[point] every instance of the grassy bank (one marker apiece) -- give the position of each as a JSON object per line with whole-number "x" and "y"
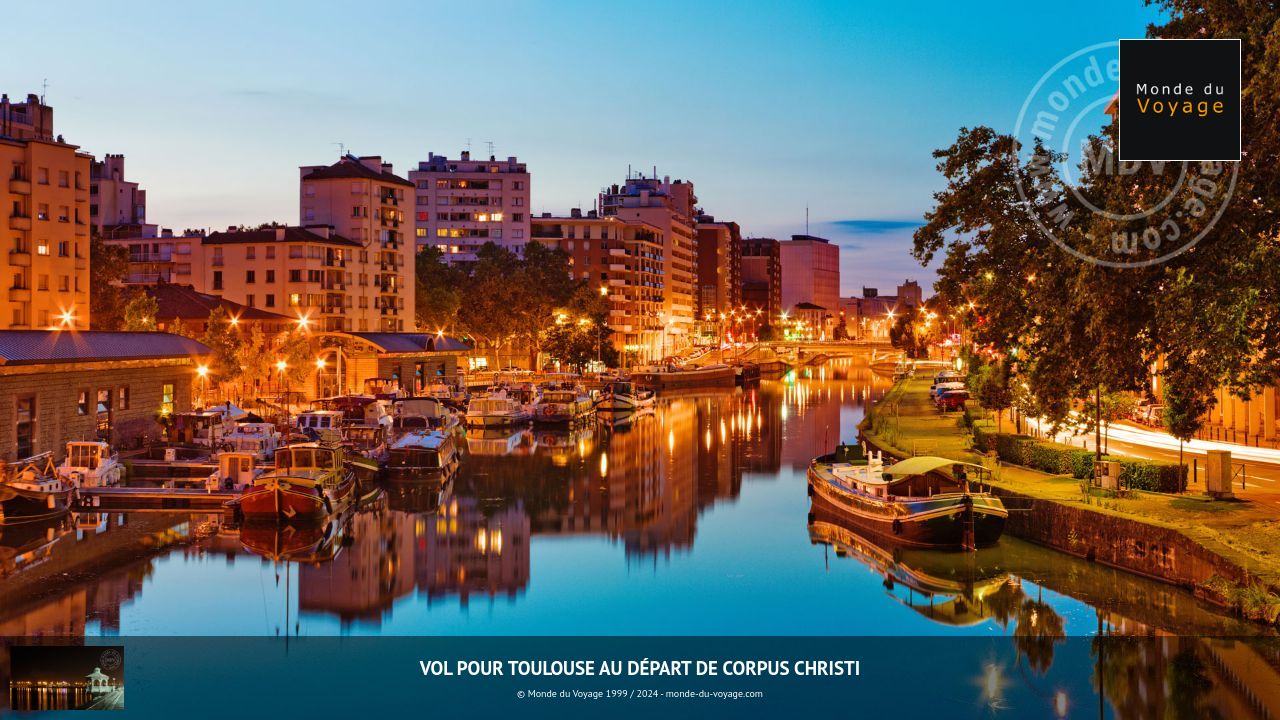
{"x": 1244, "y": 534}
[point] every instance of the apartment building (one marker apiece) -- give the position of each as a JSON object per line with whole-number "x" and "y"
{"x": 363, "y": 202}
{"x": 810, "y": 273}
{"x": 117, "y": 207}
{"x": 45, "y": 200}
{"x": 161, "y": 257}
{"x": 719, "y": 267}
{"x": 762, "y": 277}
{"x": 669, "y": 207}
{"x": 623, "y": 259}
{"x": 462, "y": 204}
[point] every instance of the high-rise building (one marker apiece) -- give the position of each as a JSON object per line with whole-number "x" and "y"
{"x": 624, "y": 260}
{"x": 810, "y": 273}
{"x": 463, "y": 204}
{"x": 719, "y": 267}
{"x": 118, "y": 207}
{"x": 670, "y": 207}
{"x": 363, "y": 201}
{"x": 762, "y": 277}
{"x": 45, "y": 197}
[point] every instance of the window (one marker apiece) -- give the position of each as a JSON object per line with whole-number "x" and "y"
{"x": 271, "y": 255}
{"x": 217, "y": 279}
{"x": 64, "y": 283}
{"x": 64, "y": 179}
{"x": 42, "y": 282}
{"x": 271, "y": 276}
{"x": 295, "y": 275}
{"x": 517, "y": 234}
{"x": 517, "y": 217}
{"x": 249, "y": 301}
{"x": 295, "y": 299}
{"x": 250, "y": 253}
{"x": 249, "y": 276}
{"x": 26, "y": 426}
{"x": 64, "y": 248}
{"x": 122, "y": 397}
{"x": 42, "y": 247}
{"x": 517, "y": 202}
{"x": 271, "y": 300}
{"x": 104, "y": 413}
{"x": 82, "y": 402}
{"x": 42, "y": 176}
{"x": 421, "y": 232}
{"x": 166, "y": 399}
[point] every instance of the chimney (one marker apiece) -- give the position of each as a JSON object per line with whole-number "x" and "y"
{"x": 279, "y": 234}
{"x": 575, "y": 213}
{"x": 466, "y": 154}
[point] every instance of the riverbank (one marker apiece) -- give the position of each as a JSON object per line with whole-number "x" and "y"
{"x": 1226, "y": 551}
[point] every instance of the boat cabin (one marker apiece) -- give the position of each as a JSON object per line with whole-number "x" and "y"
{"x": 258, "y": 438}
{"x": 309, "y": 456}
{"x": 201, "y": 427}
{"x": 421, "y": 450}
{"x": 90, "y": 463}
{"x": 235, "y": 471}
{"x": 363, "y": 438}
{"x": 320, "y": 420}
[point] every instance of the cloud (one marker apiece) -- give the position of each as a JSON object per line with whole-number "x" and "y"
{"x": 862, "y": 226}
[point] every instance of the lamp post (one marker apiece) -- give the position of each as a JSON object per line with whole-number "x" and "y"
{"x": 203, "y": 372}
{"x": 280, "y": 368}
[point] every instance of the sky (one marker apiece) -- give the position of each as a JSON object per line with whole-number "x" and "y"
{"x": 769, "y": 108}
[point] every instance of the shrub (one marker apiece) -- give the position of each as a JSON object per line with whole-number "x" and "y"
{"x": 1049, "y": 457}
{"x": 1150, "y": 475}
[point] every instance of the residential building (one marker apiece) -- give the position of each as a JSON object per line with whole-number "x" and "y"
{"x": 462, "y": 204}
{"x": 364, "y": 202}
{"x": 116, "y": 205}
{"x": 45, "y": 198}
{"x": 625, "y": 260}
{"x": 810, "y": 273}
{"x": 669, "y": 207}
{"x": 161, "y": 257}
{"x": 871, "y": 316}
{"x": 719, "y": 266}
{"x": 762, "y": 277}
{"x": 321, "y": 279}
{"x": 184, "y": 310}
{"x": 59, "y": 386}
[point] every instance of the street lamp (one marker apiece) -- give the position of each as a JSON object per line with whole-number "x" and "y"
{"x": 203, "y": 372}
{"x": 280, "y": 368}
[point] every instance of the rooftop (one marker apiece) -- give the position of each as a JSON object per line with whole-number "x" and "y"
{"x": 184, "y": 303}
{"x": 29, "y": 347}
{"x": 310, "y": 234}
{"x": 350, "y": 166}
{"x": 411, "y": 342}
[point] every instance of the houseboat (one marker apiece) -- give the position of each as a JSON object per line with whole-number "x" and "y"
{"x": 423, "y": 414}
{"x": 320, "y": 424}
{"x": 311, "y": 481}
{"x": 565, "y": 403}
{"x": 496, "y": 408}
{"x": 422, "y": 454}
{"x": 912, "y": 503}
{"x": 367, "y": 441}
{"x": 236, "y": 472}
{"x": 90, "y": 463}
{"x": 672, "y": 376}
{"x": 260, "y": 439}
{"x": 621, "y": 396}
{"x": 31, "y": 491}
{"x": 365, "y": 410}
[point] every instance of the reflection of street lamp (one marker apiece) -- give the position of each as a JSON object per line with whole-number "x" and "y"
{"x": 203, "y": 372}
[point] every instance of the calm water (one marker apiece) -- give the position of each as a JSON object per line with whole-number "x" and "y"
{"x": 693, "y": 520}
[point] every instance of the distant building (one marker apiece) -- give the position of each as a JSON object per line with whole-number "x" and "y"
{"x": 670, "y": 207}
{"x": 65, "y": 385}
{"x": 45, "y": 197}
{"x": 762, "y": 277}
{"x": 625, "y": 260}
{"x": 362, "y": 200}
{"x": 116, "y": 204}
{"x": 161, "y": 257}
{"x": 462, "y": 204}
{"x": 810, "y": 273}
{"x": 719, "y": 266}
{"x": 183, "y": 306}
{"x": 872, "y": 315}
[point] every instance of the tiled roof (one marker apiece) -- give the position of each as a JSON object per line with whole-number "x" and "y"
{"x": 267, "y": 235}
{"x": 184, "y": 303}
{"x": 349, "y": 167}
{"x": 411, "y": 342}
{"x": 26, "y": 347}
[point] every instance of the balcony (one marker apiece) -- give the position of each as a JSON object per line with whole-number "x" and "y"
{"x": 18, "y": 186}
{"x": 147, "y": 278}
{"x": 145, "y": 257}
{"x": 19, "y": 258}
{"x": 19, "y": 294}
{"x": 19, "y": 222}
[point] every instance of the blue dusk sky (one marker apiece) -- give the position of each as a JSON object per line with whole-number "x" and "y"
{"x": 768, "y": 107}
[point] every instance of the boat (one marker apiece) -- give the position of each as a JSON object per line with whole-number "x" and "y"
{"x": 747, "y": 373}
{"x": 495, "y": 441}
{"x": 911, "y": 503}
{"x": 358, "y": 409}
{"x": 308, "y": 543}
{"x": 423, "y": 414}
{"x": 320, "y": 423}
{"x": 566, "y": 403}
{"x": 622, "y": 396}
{"x": 31, "y": 491}
{"x": 257, "y": 438}
{"x": 496, "y": 408}
{"x": 449, "y": 394}
{"x": 236, "y": 472}
{"x": 367, "y": 441}
{"x": 422, "y": 454}
{"x": 90, "y": 463}
{"x": 672, "y": 376}
{"x": 310, "y": 480}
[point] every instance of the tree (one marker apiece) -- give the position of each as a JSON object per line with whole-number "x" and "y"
{"x": 225, "y": 343}
{"x": 139, "y": 313}
{"x": 768, "y": 333}
{"x": 1115, "y": 406}
{"x": 108, "y": 265}
{"x": 437, "y": 296}
{"x": 989, "y": 385}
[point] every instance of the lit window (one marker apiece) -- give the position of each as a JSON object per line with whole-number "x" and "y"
{"x": 442, "y": 232}
{"x": 42, "y": 247}
{"x": 295, "y": 299}
{"x": 496, "y": 217}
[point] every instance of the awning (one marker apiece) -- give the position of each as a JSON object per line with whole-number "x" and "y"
{"x": 923, "y": 465}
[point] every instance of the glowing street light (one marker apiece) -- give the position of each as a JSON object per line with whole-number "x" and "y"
{"x": 67, "y": 317}
{"x": 320, "y": 363}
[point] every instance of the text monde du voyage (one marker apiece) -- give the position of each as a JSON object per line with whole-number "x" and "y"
{"x": 1179, "y": 99}
{"x": 640, "y": 668}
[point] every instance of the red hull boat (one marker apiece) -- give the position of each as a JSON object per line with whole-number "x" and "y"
{"x": 311, "y": 481}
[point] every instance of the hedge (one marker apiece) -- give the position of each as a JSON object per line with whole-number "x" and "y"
{"x": 1059, "y": 459}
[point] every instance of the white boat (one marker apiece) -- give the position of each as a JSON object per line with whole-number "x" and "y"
{"x": 315, "y": 423}
{"x": 422, "y": 453}
{"x": 446, "y": 392}
{"x": 496, "y": 408}
{"x": 259, "y": 439}
{"x": 621, "y": 397}
{"x": 423, "y": 413}
{"x": 236, "y": 472}
{"x": 564, "y": 404}
{"x": 90, "y": 463}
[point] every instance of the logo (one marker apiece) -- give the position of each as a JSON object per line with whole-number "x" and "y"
{"x": 110, "y": 659}
{"x": 1086, "y": 200}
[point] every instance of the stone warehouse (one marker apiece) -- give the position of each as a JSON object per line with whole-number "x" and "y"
{"x": 57, "y": 386}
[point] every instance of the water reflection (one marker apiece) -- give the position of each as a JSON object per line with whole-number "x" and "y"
{"x": 637, "y": 527}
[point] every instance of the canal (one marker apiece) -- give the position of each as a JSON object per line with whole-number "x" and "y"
{"x": 693, "y": 520}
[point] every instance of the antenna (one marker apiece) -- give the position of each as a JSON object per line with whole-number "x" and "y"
{"x": 468, "y": 144}
{"x": 490, "y": 144}
{"x": 44, "y": 88}
{"x": 806, "y": 219}
{"x": 342, "y": 149}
